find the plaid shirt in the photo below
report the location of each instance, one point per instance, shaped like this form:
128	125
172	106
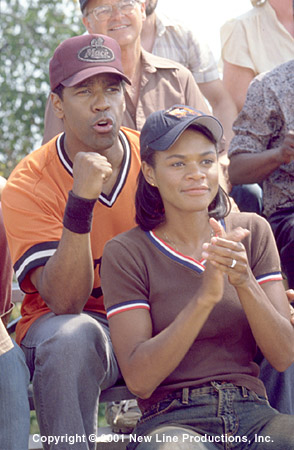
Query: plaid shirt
175	42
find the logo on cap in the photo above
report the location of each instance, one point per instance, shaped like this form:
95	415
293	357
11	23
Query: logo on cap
96	52
181	112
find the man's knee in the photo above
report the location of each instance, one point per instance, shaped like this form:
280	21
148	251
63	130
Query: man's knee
69	339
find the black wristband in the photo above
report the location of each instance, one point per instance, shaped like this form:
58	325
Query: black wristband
78	214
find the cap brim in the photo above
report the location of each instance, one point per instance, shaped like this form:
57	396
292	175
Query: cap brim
169	138
89	72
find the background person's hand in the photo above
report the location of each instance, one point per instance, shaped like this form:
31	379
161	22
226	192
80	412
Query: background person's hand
287	148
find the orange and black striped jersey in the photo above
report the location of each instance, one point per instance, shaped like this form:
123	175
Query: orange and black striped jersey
33	204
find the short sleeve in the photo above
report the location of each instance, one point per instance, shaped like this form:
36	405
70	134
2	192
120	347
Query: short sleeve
201	61
33	226
193	95
234	44
123	279
260	121
262	252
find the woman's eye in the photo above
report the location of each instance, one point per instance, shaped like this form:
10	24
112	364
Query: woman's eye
207	162
178	164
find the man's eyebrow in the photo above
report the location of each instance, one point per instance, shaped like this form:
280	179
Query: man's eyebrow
83	84
89	82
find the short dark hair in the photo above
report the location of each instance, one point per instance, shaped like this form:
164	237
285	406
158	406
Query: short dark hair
149	206
59	91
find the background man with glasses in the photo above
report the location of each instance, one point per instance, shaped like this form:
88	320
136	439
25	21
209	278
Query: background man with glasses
157	83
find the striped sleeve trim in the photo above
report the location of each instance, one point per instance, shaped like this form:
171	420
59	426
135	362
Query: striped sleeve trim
126	306
275	276
36	256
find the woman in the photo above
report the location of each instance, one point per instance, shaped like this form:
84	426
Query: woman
255	42
187	301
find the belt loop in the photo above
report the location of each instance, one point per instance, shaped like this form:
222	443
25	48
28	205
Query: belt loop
244	392
185	396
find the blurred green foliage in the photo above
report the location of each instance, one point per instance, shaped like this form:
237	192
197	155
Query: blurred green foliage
30	31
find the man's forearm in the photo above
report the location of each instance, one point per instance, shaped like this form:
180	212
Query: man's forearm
253	167
66	281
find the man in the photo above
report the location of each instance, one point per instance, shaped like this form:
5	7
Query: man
61	204
263	151
157	83
165	37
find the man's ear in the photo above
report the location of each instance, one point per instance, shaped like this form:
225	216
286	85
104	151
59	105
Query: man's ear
124	105
88	25
57	105
148	172
143	11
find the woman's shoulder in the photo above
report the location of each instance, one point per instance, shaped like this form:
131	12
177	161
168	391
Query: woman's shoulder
134	240
133	235
247	18
240	24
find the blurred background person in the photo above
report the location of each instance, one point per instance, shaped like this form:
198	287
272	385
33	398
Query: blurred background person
166	37
255	42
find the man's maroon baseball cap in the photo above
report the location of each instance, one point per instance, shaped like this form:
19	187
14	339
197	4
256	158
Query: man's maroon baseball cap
81	57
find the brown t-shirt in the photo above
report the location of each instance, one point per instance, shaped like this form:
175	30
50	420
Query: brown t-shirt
139	270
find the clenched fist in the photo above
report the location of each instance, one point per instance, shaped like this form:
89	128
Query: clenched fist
90	171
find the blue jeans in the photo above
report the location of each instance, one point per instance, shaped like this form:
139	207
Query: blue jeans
215	416
15	410
71	359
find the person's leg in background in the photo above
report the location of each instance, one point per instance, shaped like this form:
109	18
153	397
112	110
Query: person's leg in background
15	410
14	374
282	223
248	197
6	271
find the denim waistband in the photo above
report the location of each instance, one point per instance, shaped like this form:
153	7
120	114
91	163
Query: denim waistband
189	393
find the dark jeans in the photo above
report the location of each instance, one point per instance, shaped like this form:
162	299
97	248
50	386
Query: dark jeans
215	416
248	197
71	359
282	223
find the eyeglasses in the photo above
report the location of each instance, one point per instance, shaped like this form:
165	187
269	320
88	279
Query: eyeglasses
104	12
